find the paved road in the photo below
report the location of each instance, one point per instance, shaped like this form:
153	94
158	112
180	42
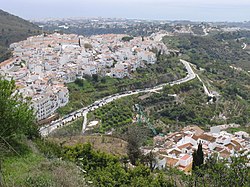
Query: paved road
206	91
84	124
84	111
244	46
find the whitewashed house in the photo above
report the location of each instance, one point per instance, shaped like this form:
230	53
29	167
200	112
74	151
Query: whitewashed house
185	160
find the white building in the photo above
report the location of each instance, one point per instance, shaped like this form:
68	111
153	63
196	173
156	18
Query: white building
46	105
185	160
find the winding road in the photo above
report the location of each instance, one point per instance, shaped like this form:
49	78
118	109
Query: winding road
244	45
83	112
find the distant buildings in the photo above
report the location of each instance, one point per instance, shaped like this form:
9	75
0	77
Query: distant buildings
42	65
176	148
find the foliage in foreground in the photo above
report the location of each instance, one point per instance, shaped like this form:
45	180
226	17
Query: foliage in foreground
107	170
17	121
37	164
215	172
16	115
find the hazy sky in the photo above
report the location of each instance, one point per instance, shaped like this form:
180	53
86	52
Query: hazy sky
198	10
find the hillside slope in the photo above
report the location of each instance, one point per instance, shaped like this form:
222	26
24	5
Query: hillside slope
13	29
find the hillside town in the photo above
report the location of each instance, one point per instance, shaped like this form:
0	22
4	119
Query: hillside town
175	149
41	65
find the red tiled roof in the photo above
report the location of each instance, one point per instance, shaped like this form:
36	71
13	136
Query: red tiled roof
237	145
195	137
218	149
175	151
6	62
225	153
185	145
185	157
207	137
171	161
230	146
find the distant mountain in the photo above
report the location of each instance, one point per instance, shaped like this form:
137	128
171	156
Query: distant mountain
13	29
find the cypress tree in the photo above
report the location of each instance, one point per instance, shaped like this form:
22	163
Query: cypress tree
194	163
198	157
79	42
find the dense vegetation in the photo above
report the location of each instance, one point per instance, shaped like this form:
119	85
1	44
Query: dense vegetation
115	115
219	48
214	172
180	105
213	55
13	29
106	170
172	109
25	159
16	116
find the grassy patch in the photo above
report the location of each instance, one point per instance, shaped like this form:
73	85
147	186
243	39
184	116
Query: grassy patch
35	170
17	170
108	144
237	129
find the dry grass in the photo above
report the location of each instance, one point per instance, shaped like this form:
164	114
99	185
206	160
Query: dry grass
103	143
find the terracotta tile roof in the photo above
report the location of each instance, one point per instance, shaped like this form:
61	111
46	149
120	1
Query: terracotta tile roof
234	145
225	154
218	149
198	130
177	137
163	151
207	137
6	62
185	157
175	151
168	143
230	146
185	146
237	145
171	161
195	137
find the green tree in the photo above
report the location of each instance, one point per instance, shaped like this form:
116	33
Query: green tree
127	38
95	77
194	163
6	42
135	137
222	172
198	157
79	82
16	117
150	160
